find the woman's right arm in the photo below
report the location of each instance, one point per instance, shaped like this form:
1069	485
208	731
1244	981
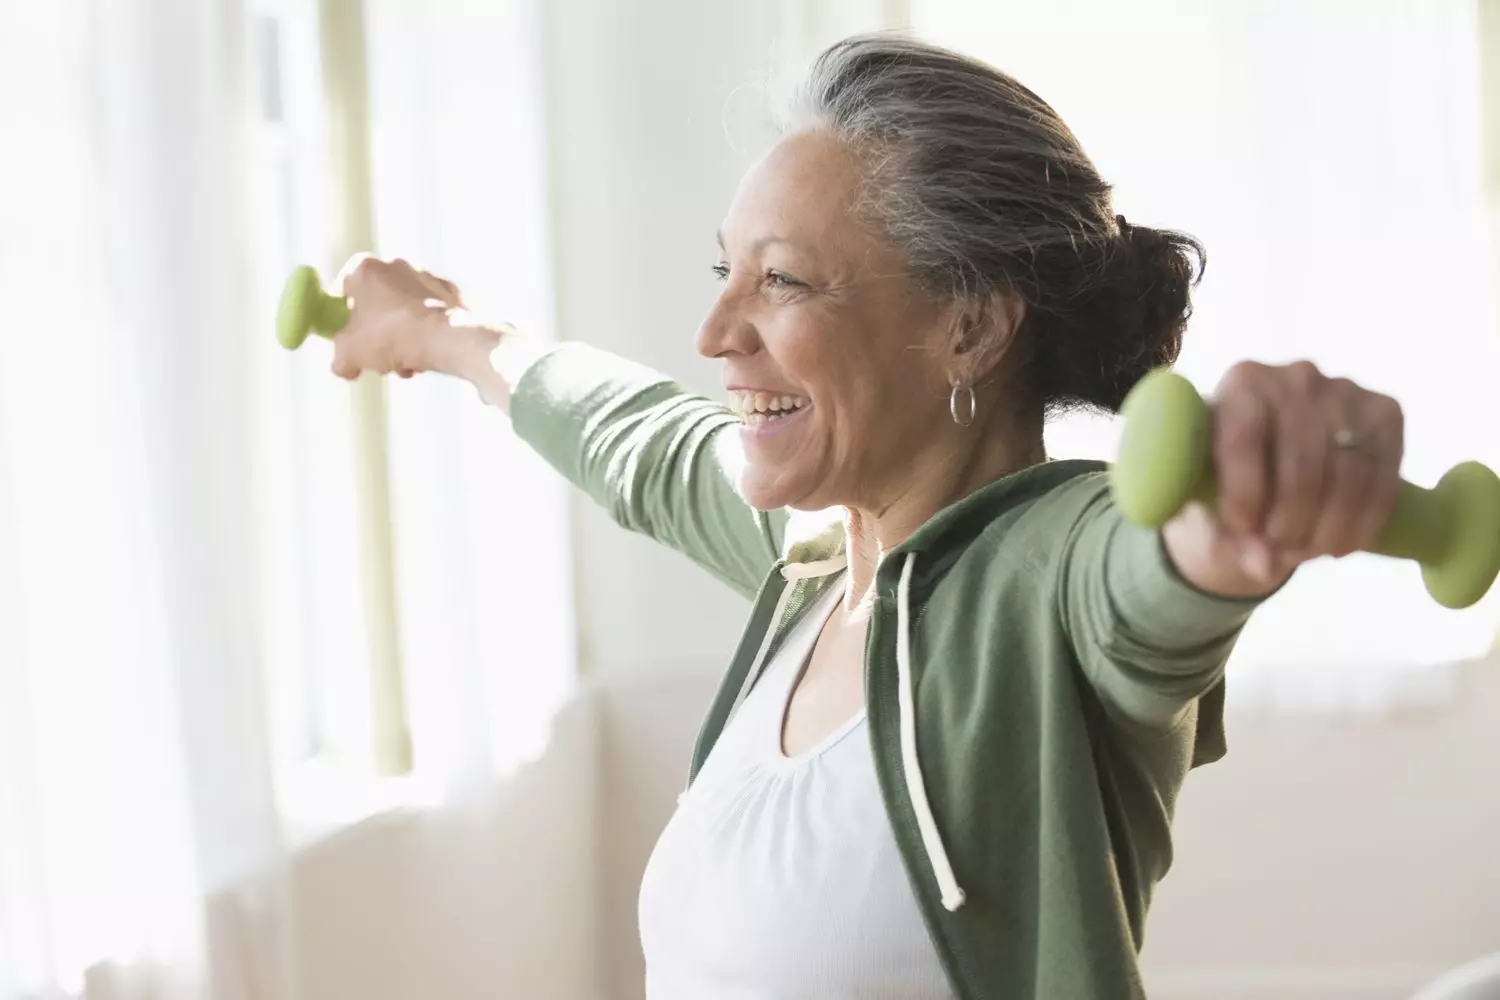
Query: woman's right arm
659	460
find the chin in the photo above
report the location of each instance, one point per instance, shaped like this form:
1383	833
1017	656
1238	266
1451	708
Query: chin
773	489
763	498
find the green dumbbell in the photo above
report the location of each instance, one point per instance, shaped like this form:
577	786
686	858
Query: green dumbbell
1166	460
306	308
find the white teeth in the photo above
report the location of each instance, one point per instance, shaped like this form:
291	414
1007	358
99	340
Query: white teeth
750	404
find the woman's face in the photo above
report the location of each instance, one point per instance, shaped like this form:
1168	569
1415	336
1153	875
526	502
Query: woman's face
832	356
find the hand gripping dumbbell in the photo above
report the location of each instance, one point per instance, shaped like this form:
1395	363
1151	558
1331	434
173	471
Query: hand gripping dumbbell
1165	461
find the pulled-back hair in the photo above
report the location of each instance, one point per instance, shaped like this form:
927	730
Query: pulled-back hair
985	191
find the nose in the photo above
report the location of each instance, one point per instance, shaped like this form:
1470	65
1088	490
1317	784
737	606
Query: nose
727	329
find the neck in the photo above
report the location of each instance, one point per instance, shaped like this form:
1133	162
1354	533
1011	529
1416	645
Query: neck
928	485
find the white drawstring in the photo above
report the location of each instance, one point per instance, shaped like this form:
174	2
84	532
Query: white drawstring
937	857
791	573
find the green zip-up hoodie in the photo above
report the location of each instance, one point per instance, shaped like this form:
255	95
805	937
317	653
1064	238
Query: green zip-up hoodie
1039	680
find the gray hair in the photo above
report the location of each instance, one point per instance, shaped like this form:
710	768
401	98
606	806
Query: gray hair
985	191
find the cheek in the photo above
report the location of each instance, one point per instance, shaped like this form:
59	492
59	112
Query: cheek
865	382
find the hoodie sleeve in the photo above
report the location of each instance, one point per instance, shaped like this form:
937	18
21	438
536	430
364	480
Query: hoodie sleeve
660	461
1150	643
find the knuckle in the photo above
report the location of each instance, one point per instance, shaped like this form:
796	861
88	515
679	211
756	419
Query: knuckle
1388	410
1242	375
1305	375
1343	389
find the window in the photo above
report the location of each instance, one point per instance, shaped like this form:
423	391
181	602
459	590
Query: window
316	660
480	529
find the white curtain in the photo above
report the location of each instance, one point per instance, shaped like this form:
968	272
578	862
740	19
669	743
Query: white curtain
1328	155
483	525
131	771
183	701
485	610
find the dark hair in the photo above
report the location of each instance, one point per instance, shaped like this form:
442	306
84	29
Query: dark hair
985	190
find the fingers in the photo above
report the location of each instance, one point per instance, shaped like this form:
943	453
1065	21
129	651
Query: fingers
1305	465
1387	429
393	306
1364	478
441	288
1242	451
344	364
365	271
345	370
1300	458
356	271
1350	475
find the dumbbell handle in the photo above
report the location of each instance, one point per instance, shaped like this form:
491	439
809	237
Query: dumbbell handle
1165	461
306	308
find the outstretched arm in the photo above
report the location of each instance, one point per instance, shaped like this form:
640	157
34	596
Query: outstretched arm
1306	466
660	460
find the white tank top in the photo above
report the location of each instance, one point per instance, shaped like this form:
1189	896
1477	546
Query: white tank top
778	878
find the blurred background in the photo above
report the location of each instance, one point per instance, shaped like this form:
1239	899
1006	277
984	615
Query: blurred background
208	686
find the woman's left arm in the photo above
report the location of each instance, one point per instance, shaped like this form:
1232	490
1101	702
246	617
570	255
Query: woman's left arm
1306	466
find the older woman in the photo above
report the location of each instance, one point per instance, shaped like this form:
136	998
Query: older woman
944	759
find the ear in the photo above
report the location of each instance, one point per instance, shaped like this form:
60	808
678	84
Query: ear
984	332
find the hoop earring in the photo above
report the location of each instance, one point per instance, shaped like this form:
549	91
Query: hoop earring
970	407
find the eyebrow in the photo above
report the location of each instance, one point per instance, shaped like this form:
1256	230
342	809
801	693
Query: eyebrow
759	244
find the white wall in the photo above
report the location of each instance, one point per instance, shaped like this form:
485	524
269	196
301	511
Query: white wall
642	173
1337	858
495	896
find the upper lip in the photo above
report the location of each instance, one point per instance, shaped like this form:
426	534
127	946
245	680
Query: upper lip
768	392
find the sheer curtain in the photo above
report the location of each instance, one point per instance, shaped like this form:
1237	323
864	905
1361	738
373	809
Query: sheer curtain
1328	155
132	776
482	523
179	638
484	609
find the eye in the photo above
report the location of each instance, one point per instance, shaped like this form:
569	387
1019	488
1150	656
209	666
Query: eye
780	279
721	271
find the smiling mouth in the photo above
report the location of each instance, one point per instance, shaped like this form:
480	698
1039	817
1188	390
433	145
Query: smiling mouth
755	408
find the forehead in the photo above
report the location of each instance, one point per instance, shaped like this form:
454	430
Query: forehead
803	191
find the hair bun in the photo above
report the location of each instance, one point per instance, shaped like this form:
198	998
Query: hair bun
1163	266
1127	321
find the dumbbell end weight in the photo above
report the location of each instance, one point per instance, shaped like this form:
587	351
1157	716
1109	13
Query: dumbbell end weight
1165	455
306	308
1467	502
1165	461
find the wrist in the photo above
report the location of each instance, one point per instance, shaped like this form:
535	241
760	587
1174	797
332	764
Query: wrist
462	346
